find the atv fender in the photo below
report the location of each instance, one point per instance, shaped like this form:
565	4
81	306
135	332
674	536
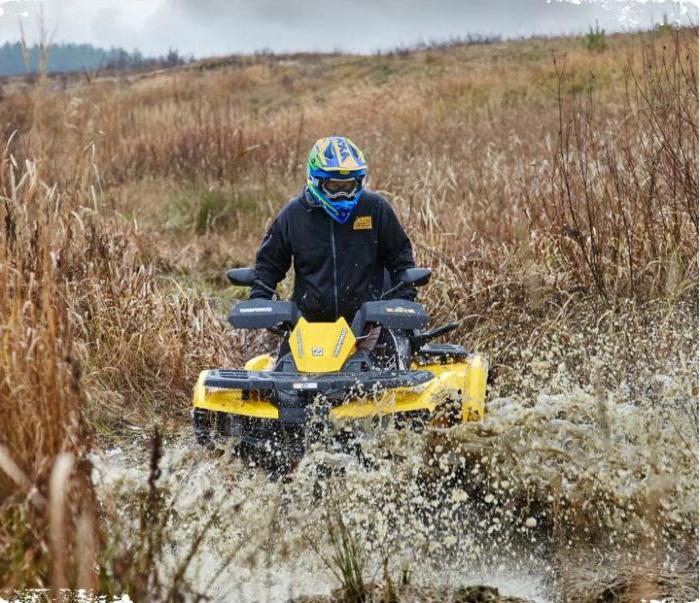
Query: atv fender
233	401
264	362
467	379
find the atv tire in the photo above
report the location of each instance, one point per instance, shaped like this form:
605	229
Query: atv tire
204	422
449	412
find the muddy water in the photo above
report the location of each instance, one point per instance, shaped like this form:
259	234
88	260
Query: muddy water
566	488
271	538
278	535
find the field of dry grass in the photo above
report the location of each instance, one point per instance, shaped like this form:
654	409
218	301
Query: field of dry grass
546	186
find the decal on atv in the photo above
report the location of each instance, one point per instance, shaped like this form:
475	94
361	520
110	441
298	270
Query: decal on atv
300	344
400	310
341	340
305	385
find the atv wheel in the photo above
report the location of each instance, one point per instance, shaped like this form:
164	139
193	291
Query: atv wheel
415	420
448	412
204	422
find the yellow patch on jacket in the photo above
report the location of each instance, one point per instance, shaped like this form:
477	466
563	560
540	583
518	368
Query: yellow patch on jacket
362	223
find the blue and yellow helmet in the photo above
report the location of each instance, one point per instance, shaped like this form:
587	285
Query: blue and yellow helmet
335	176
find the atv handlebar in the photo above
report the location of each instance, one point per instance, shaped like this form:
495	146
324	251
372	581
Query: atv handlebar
265	317
411	276
245	277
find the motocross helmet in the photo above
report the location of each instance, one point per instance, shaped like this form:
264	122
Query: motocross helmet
335	176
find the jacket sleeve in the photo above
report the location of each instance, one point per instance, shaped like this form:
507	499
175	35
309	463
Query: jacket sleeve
272	260
395	250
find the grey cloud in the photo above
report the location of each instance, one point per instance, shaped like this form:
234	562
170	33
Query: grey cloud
206	27
363	26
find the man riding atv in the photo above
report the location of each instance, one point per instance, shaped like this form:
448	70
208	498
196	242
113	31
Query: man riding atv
346	242
354	344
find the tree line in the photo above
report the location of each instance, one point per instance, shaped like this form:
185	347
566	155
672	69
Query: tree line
66	57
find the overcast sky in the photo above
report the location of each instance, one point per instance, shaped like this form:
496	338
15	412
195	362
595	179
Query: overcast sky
211	27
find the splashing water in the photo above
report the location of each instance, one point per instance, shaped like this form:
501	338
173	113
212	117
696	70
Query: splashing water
552	495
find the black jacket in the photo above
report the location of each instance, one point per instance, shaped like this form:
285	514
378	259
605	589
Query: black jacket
337	266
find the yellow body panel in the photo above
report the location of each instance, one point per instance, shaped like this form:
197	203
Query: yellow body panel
474	394
264	362
231	400
321	347
467	379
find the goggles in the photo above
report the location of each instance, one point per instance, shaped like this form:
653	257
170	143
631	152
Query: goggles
340	188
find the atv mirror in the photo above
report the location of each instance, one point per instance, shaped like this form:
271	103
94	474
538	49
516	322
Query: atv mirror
243	277
415	276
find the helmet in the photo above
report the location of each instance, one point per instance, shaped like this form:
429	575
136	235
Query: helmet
335	176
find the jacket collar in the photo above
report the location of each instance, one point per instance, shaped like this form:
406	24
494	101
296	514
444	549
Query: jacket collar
307	200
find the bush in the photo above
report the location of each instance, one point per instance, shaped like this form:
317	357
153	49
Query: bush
595	39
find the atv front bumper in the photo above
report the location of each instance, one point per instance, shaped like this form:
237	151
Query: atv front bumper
290	398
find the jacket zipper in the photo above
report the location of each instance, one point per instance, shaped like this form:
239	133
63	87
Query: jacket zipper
335	269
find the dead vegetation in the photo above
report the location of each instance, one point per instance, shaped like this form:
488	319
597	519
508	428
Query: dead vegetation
535	178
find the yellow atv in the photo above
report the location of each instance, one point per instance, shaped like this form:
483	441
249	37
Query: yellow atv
330	375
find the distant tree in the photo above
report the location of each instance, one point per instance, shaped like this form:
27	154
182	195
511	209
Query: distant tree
18	59
136	58
173	58
665	27
595	39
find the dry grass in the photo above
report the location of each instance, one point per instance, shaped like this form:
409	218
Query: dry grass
534	178
45	478
78	355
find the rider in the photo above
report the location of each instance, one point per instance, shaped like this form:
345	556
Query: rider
346	242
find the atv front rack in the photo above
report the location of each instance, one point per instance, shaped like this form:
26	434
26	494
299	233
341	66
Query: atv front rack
320	383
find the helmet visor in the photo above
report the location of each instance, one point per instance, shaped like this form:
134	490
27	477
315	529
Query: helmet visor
340	188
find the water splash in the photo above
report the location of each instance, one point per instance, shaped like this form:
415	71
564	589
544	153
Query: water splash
551	487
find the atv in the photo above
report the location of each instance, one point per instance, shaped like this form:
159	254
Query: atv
327	376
